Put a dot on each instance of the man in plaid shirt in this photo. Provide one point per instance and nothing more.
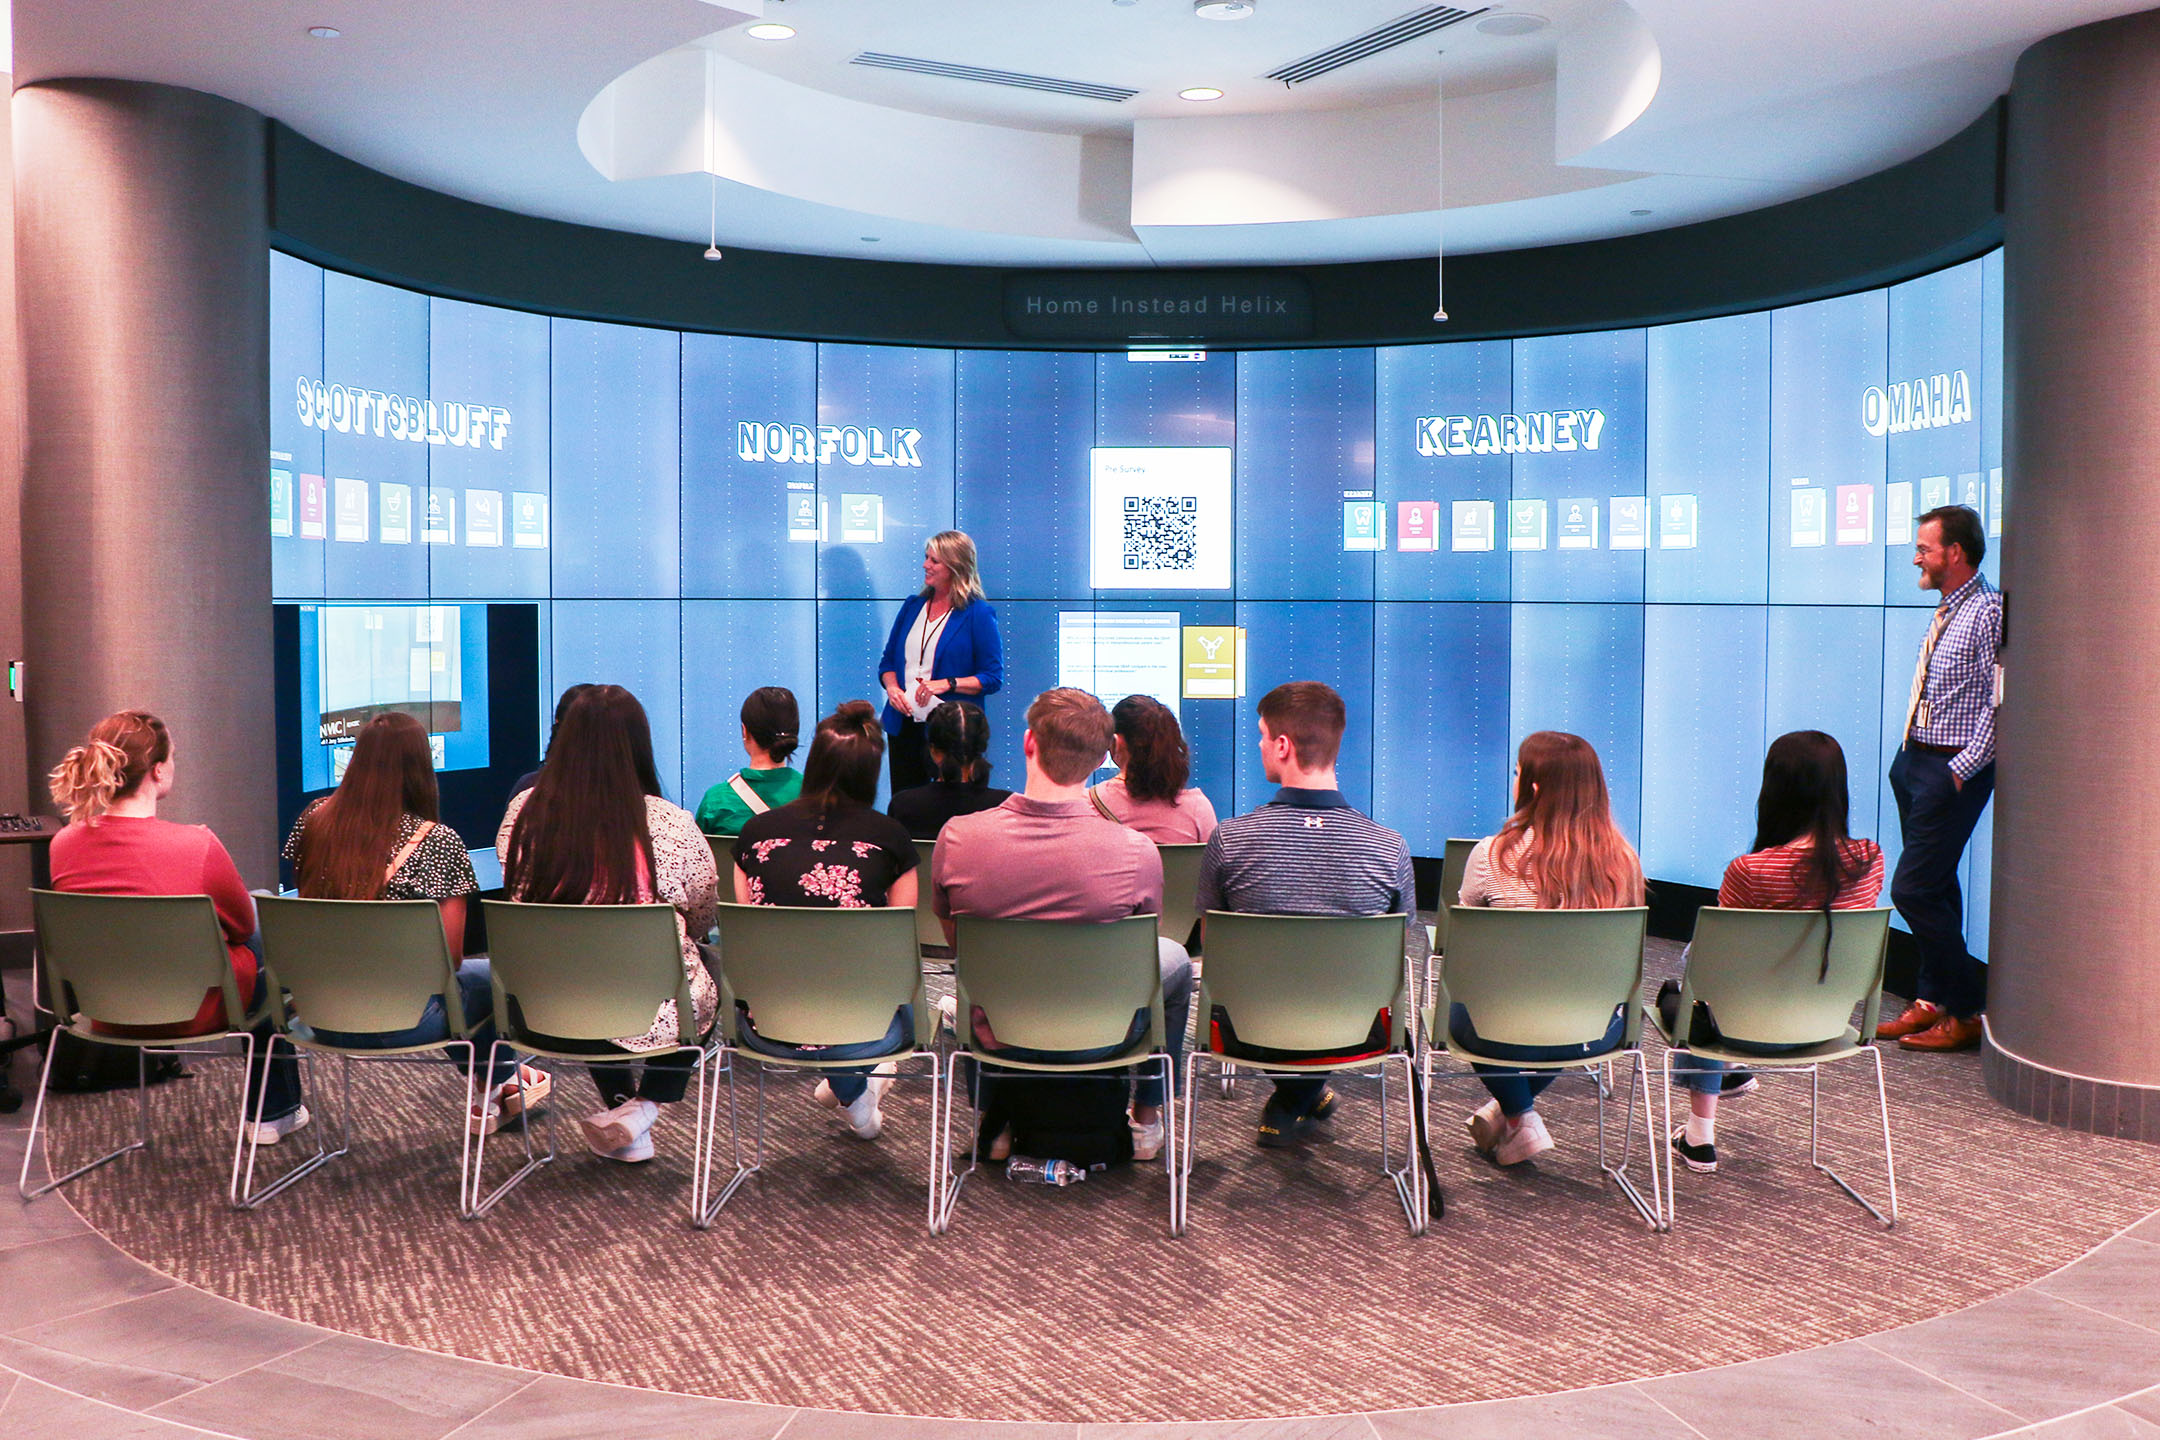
(1942, 777)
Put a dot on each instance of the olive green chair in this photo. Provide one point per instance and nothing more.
(819, 977)
(929, 930)
(1759, 978)
(586, 974)
(1059, 987)
(146, 962)
(1180, 891)
(361, 967)
(1552, 978)
(1312, 995)
(1454, 859)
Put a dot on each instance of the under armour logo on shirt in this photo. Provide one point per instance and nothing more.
(1315, 822)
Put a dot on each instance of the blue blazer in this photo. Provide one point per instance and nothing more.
(968, 645)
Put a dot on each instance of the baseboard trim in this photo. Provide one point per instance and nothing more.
(2073, 1102)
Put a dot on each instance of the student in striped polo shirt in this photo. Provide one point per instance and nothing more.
(1307, 852)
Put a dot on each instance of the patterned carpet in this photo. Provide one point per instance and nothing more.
(1297, 1291)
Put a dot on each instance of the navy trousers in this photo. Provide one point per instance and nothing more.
(1937, 818)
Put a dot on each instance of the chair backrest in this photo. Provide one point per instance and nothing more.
(1544, 977)
(1058, 984)
(1180, 890)
(134, 959)
(723, 859)
(586, 972)
(1306, 982)
(1757, 971)
(929, 930)
(820, 977)
(360, 966)
(1453, 861)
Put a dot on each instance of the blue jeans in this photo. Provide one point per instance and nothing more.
(847, 1085)
(475, 994)
(1518, 1093)
(280, 1092)
(1177, 988)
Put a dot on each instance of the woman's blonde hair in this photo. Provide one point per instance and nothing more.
(120, 753)
(1561, 838)
(956, 552)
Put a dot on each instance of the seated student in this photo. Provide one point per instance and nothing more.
(1149, 791)
(1803, 859)
(1047, 854)
(830, 848)
(563, 702)
(1307, 852)
(380, 837)
(109, 788)
(956, 736)
(770, 723)
(594, 831)
(1559, 851)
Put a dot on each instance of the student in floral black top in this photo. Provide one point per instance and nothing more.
(830, 848)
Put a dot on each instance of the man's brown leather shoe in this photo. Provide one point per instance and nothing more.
(1948, 1033)
(1918, 1016)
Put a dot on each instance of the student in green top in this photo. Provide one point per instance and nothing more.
(769, 721)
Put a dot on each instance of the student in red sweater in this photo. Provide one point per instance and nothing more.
(109, 788)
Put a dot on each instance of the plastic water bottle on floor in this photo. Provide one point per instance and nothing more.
(1026, 1168)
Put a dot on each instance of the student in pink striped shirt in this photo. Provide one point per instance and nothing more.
(1803, 859)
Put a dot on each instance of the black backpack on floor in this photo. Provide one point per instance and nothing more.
(81, 1065)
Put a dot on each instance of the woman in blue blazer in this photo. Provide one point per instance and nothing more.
(943, 645)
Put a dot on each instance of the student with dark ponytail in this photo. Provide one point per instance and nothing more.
(114, 844)
(958, 740)
(770, 722)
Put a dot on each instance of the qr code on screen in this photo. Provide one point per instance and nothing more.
(1162, 532)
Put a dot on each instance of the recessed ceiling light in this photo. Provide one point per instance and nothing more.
(1638, 212)
(1512, 24)
(1224, 9)
(870, 239)
(771, 30)
(1200, 92)
(324, 32)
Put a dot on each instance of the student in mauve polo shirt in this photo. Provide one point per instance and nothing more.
(114, 844)
(1048, 854)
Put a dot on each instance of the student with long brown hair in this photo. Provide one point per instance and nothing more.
(381, 837)
(114, 844)
(1560, 850)
(594, 830)
(1149, 792)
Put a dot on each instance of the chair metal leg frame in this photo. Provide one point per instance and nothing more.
(1652, 1210)
(244, 1194)
(476, 1206)
(1171, 1155)
(37, 1117)
(1882, 1099)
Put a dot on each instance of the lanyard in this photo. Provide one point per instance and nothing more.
(930, 633)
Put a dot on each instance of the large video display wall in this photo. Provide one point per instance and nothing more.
(1677, 541)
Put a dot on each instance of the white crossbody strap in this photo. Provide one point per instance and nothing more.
(748, 796)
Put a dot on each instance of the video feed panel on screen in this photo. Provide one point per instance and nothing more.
(426, 661)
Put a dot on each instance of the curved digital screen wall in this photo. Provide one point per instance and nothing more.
(1678, 541)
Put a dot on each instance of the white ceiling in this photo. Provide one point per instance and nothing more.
(1749, 102)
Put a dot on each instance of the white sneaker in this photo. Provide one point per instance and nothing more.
(949, 1007)
(880, 1082)
(621, 1127)
(863, 1117)
(1147, 1140)
(1524, 1141)
(1486, 1126)
(637, 1150)
(269, 1132)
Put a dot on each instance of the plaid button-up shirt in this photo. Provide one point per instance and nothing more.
(1960, 708)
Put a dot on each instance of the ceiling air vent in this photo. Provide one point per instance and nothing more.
(1116, 94)
(1398, 31)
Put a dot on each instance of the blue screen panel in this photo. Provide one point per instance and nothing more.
(1433, 471)
(1979, 881)
(1991, 408)
(1023, 426)
(1579, 668)
(885, 466)
(1440, 720)
(1145, 401)
(1704, 673)
(1938, 366)
(1903, 631)
(1580, 408)
(730, 648)
(1304, 469)
(1827, 500)
(749, 462)
(1331, 643)
(1815, 684)
(616, 455)
(1029, 632)
(1211, 725)
(375, 344)
(850, 641)
(497, 360)
(372, 665)
(1709, 468)
(296, 446)
(636, 644)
